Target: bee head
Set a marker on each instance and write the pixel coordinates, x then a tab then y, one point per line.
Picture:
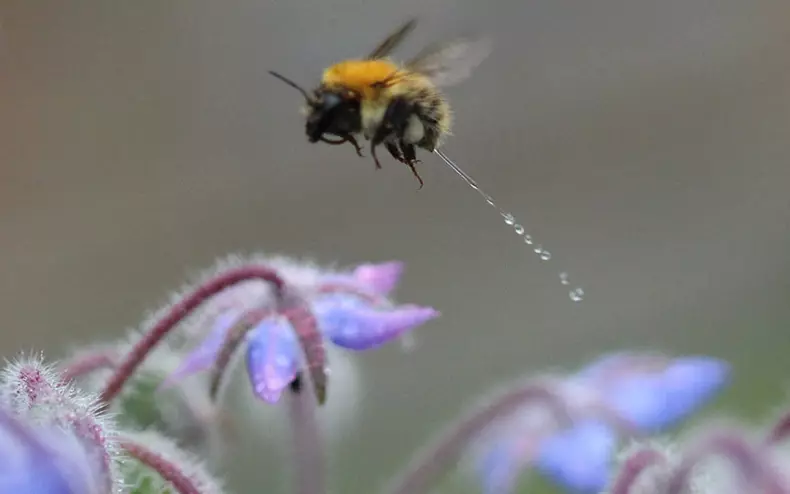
332	112
328	111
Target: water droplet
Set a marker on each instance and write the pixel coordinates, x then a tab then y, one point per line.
528	239
509	219
519	229
538	249
577	294
490	201
564	279
545	255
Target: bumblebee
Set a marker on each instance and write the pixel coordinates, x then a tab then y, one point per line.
396	105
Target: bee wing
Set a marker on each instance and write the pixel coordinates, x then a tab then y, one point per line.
451	62
393	40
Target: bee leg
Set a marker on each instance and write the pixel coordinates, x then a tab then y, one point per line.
395	151
375	157
394	121
343	140
356	145
410	156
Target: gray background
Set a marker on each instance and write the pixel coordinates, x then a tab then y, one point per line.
644	143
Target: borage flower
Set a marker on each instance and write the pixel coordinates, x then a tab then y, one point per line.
648	392
352	310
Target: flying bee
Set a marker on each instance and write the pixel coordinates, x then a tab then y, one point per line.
396	105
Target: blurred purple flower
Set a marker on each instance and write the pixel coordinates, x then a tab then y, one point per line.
351	312
650	392
43	460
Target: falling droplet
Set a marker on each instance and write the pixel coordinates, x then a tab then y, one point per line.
577	294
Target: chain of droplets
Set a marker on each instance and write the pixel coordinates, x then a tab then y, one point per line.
577	293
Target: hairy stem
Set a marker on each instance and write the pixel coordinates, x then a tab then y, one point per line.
752	463
312	343
633	467
780	431
166	469
177	313
308	448
86	363
446	450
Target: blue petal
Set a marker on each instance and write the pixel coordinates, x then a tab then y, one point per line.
203	357
351	323
27	464
656	402
273	357
579	459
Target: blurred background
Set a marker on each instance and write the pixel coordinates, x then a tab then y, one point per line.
645	144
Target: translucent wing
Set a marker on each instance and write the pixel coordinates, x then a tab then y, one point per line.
393	40
451	62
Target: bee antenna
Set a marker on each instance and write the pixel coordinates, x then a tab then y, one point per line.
292	84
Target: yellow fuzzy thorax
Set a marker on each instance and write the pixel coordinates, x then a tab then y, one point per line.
359	75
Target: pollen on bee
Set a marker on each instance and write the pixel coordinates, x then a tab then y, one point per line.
359	75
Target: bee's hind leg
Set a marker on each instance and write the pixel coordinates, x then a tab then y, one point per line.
395	151
410	158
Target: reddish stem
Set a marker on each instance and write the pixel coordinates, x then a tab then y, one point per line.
752	463
178	312
87	363
232	342
166	469
310	339
633	466
425	468
780	431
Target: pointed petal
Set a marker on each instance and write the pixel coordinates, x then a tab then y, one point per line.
579	459
352	324
272	358
381	278
205	354
658	401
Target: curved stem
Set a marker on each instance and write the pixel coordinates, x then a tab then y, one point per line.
312	343
445	451
177	313
756	470
633	467
166	469
232	341
86	363
780	431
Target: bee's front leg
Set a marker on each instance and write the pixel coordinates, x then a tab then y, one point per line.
343	140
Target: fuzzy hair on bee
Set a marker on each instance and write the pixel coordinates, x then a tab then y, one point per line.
397	105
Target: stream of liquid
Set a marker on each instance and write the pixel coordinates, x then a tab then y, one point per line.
576	293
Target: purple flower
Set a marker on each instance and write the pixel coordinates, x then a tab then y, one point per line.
650	392
43	460
353	314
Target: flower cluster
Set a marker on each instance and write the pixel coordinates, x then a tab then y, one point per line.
154	411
